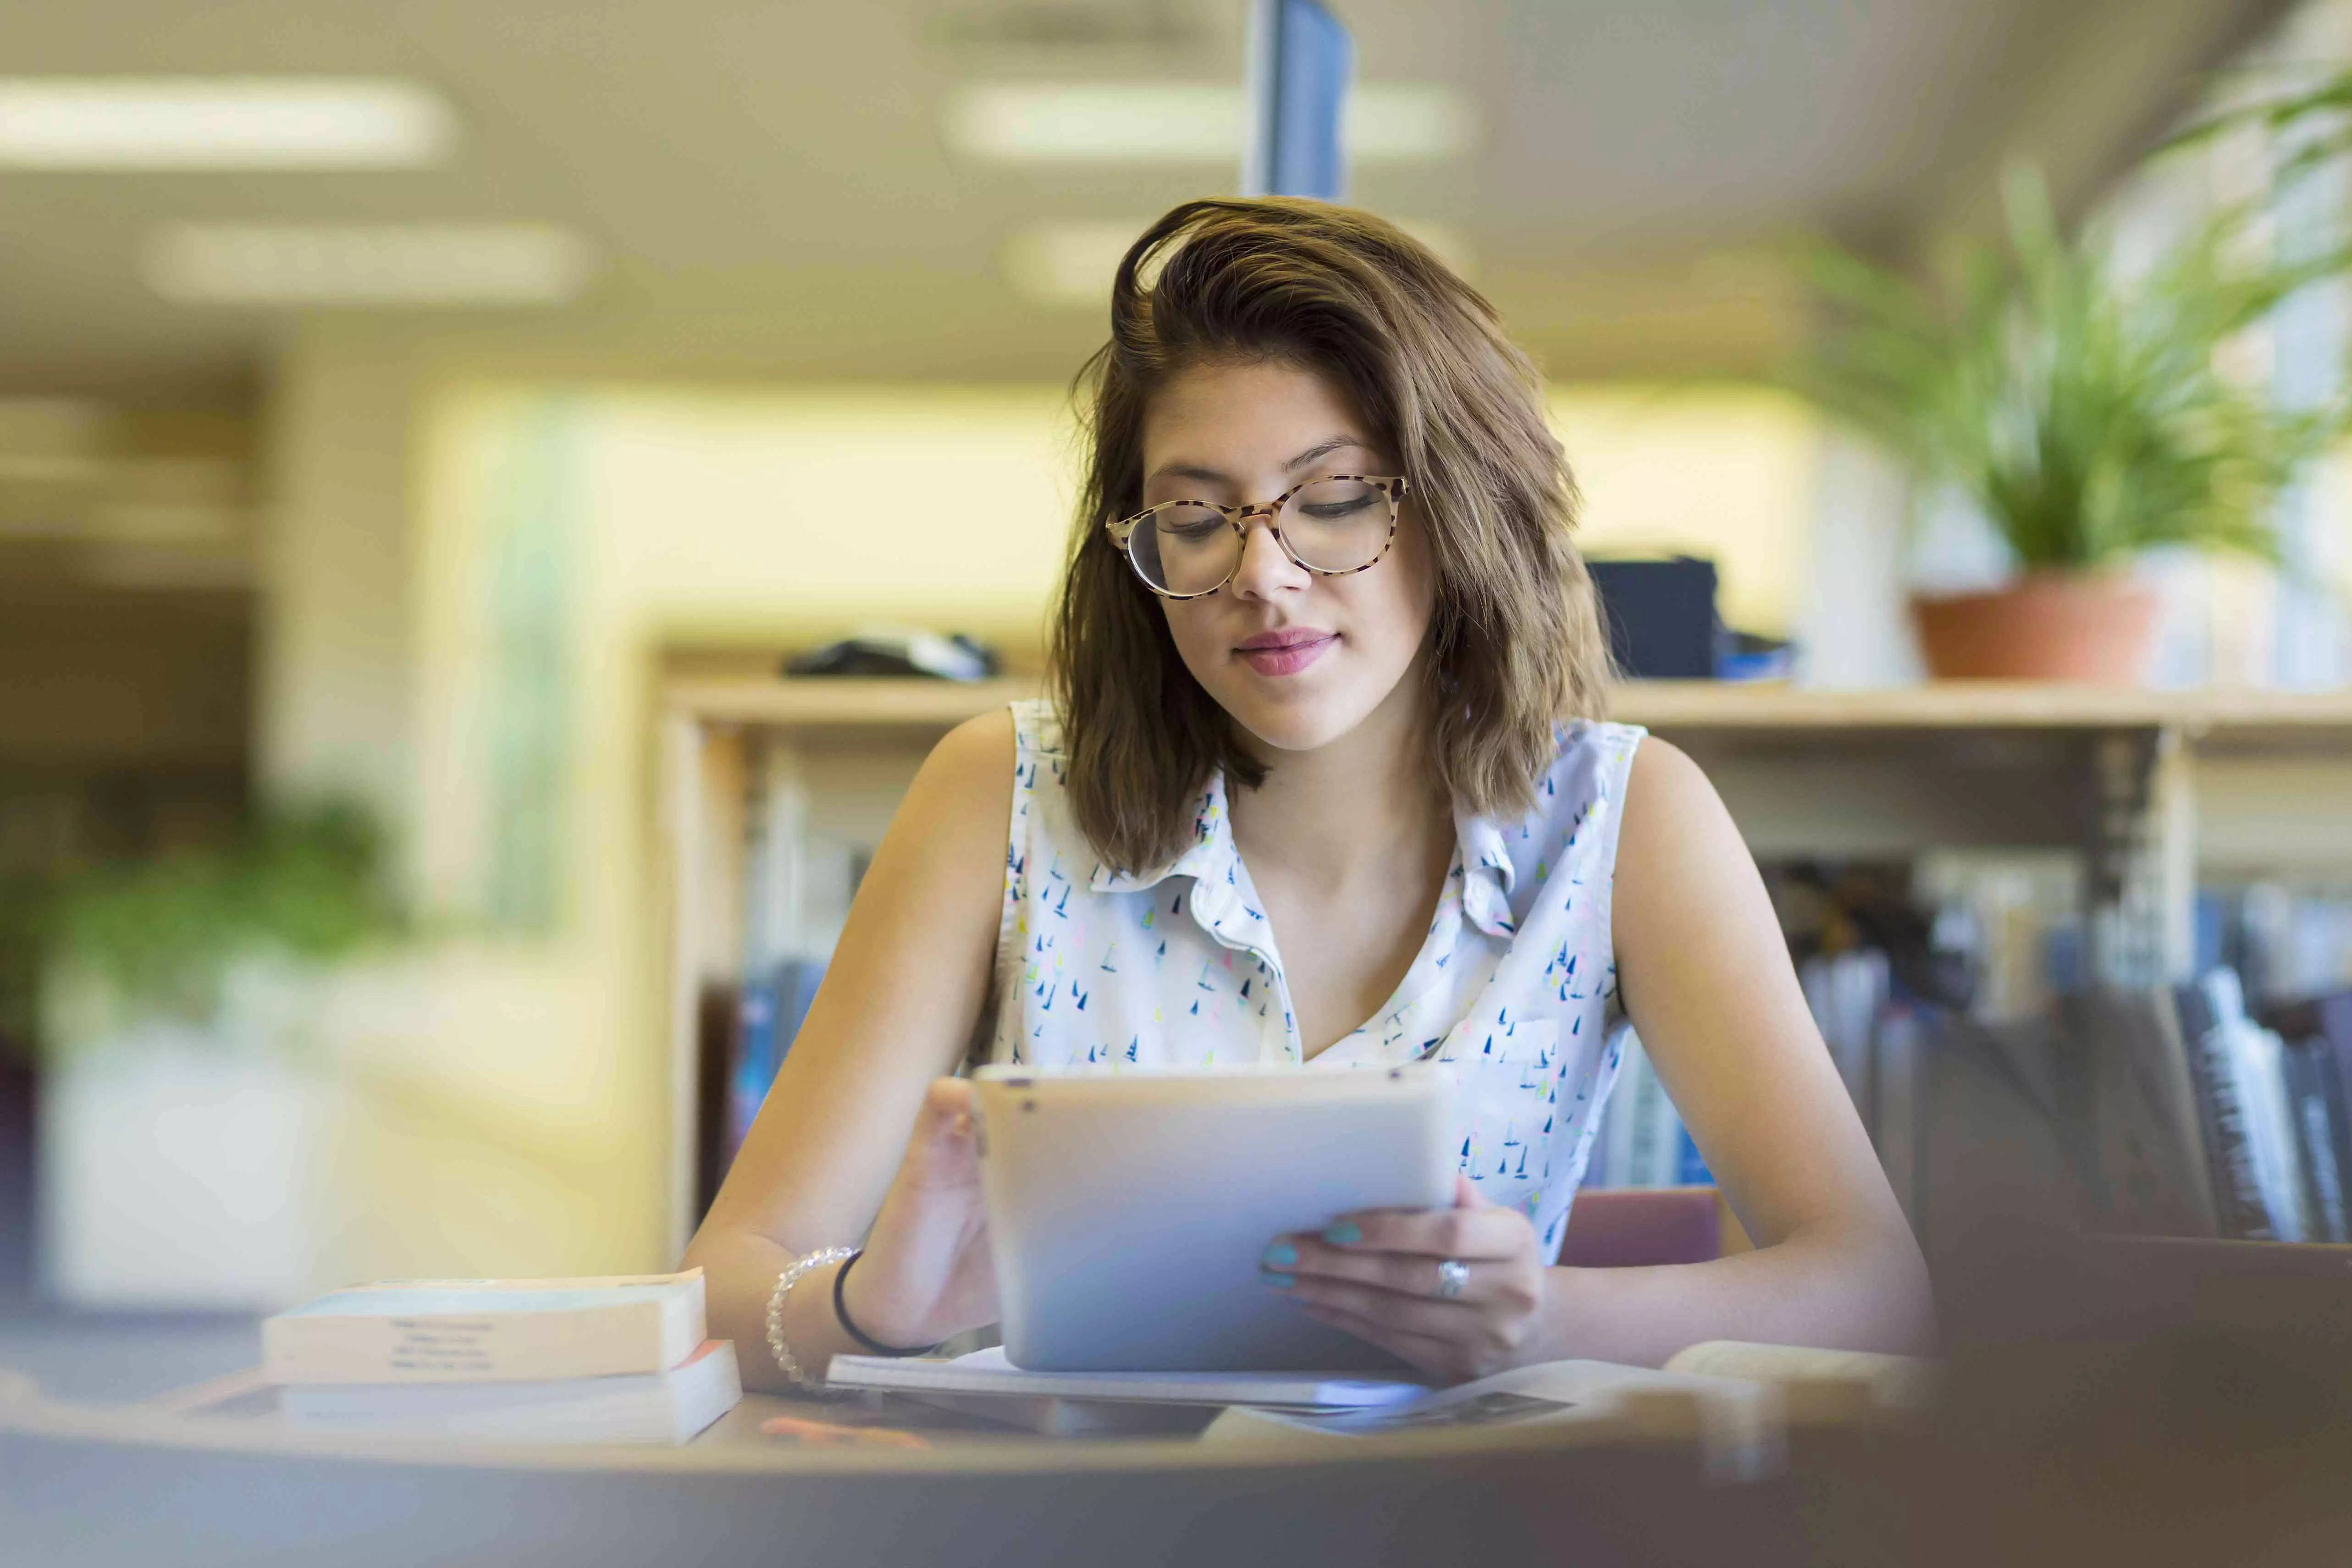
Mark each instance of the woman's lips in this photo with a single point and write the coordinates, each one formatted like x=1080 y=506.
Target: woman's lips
x=1288 y=658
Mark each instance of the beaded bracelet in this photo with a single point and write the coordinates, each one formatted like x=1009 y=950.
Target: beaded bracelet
x=784 y=1283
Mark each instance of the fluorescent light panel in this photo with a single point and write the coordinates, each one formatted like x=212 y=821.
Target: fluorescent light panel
x=1071 y=265
x=392 y=265
x=221 y=122
x=1187 y=122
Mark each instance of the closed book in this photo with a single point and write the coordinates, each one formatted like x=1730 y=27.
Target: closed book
x=2161 y=1054
x=2146 y=1141
x=2205 y=1006
x=2256 y=1055
x=1639 y=1129
x=2318 y=1032
x=669 y=1406
x=2316 y=1103
x=488 y=1330
x=1894 y=1087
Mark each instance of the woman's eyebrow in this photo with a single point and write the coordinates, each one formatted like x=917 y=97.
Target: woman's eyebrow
x=1337 y=443
x=1187 y=471
x=1219 y=477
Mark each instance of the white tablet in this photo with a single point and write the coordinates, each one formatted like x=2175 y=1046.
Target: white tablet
x=1127 y=1212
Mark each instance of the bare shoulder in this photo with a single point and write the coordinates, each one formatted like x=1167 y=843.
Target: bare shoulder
x=1665 y=793
x=974 y=758
x=1676 y=842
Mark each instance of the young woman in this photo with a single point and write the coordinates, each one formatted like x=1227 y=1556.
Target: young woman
x=1321 y=782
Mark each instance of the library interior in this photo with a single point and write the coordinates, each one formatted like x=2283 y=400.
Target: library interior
x=497 y=503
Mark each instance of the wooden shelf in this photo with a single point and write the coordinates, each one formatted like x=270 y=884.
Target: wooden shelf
x=842 y=701
x=1977 y=705
x=1666 y=705
x=772 y=786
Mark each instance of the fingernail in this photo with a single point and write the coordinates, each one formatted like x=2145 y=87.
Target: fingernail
x=1282 y=1255
x=1342 y=1233
x=1279 y=1281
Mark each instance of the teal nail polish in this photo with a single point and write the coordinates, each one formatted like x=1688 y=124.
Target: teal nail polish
x=1279 y=1281
x=1342 y=1233
x=1282 y=1255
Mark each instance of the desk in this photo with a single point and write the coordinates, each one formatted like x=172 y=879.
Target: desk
x=120 y=1487
x=2122 y=1406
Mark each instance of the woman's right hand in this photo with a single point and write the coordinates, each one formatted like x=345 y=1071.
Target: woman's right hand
x=926 y=1272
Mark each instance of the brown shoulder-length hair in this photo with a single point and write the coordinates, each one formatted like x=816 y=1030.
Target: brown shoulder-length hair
x=1516 y=642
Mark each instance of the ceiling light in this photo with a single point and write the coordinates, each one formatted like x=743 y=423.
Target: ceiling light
x=221 y=122
x=310 y=264
x=1071 y=265
x=1186 y=122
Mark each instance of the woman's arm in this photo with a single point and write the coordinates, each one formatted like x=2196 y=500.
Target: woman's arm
x=1706 y=978
x=897 y=1007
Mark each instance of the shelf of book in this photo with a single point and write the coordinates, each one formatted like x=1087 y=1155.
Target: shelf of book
x=774 y=790
x=1678 y=705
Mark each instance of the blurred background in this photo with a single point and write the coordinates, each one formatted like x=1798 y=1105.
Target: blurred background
x=425 y=427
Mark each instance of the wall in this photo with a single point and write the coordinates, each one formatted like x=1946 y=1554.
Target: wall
x=1728 y=471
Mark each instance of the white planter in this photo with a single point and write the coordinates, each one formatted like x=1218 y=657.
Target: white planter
x=186 y=1168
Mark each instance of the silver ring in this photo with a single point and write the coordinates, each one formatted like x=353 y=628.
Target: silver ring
x=1453 y=1278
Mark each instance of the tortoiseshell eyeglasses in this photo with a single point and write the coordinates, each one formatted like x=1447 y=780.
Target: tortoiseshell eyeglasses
x=1189 y=549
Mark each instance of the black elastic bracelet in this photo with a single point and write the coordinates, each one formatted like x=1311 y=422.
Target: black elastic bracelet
x=840 y=1316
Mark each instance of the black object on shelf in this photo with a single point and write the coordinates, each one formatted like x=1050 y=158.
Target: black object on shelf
x=1661 y=617
x=954 y=656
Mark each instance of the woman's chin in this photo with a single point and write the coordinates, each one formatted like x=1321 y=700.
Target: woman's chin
x=1296 y=722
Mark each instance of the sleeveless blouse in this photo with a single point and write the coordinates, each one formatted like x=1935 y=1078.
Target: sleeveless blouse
x=1514 y=991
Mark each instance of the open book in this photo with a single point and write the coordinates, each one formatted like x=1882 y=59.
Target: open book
x=1730 y=1385
x=1725 y=1378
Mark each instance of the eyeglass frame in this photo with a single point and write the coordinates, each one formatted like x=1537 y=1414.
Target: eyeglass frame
x=1394 y=487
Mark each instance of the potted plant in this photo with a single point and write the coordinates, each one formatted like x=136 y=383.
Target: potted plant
x=2083 y=409
x=186 y=1123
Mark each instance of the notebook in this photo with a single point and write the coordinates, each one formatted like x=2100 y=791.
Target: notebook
x=644 y=1407
x=488 y=1330
x=989 y=1373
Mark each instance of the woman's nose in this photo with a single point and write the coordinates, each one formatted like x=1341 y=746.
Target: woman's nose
x=1265 y=569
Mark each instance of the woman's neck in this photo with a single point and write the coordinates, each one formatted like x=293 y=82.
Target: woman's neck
x=1356 y=808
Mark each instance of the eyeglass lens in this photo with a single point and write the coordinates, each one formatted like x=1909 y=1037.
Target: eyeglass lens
x=1331 y=525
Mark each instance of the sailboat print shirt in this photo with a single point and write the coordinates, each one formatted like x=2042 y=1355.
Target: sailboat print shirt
x=1514 y=990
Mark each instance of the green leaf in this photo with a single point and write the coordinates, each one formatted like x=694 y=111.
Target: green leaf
x=2083 y=409
x=305 y=884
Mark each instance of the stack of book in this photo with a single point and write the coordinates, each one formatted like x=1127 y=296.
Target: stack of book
x=545 y=1361
x=2271 y=1097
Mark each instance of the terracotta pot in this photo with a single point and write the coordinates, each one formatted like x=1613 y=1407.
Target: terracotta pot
x=2092 y=627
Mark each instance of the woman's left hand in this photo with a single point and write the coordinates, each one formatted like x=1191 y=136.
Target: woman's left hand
x=1377 y=1275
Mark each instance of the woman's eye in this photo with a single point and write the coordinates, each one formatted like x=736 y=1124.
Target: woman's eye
x=1325 y=512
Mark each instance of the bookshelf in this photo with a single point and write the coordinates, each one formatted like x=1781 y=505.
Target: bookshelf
x=1663 y=705
x=771 y=790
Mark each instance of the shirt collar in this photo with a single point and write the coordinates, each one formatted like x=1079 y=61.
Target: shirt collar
x=1488 y=874
x=1208 y=858
x=1212 y=859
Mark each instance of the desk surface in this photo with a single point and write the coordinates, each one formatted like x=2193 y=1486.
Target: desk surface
x=735 y=1445
x=109 y=1487
x=99 y=1485
x=148 y=1381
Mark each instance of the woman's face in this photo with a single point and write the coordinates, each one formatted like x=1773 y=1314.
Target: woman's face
x=1297 y=658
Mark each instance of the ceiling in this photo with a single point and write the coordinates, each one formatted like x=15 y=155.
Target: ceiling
x=767 y=185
